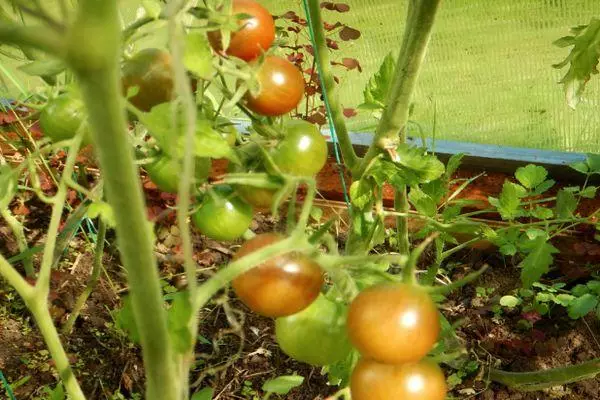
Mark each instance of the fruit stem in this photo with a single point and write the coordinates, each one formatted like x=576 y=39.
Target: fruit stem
x=17 y=229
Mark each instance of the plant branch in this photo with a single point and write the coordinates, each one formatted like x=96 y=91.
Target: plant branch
x=39 y=38
x=19 y=233
x=330 y=88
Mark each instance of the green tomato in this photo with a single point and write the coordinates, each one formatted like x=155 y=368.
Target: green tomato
x=316 y=335
x=62 y=117
x=303 y=151
x=223 y=215
x=166 y=172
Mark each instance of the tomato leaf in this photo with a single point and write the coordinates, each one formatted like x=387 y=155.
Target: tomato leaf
x=418 y=166
x=582 y=60
x=178 y=317
x=589 y=192
x=509 y=202
x=282 y=384
x=198 y=57
x=104 y=211
x=375 y=93
x=210 y=143
x=566 y=204
x=537 y=262
x=152 y=8
x=125 y=320
x=8 y=185
x=582 y=306
x=593 y=163
x=204 y=394
x=361 y=193
x=422 y=202
x=531 y=176
x=453 y=165
x=43 y=67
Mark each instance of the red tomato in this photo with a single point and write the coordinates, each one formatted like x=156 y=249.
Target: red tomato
x=255 y=36
x=281 y=88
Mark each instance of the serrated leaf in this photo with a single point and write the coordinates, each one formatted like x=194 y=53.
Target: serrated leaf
x=508 y=249
x=376 y=90
x=580 y=290
x=594 y=286
x=509 y=202
x=563 y=299
x=419 y=166
x=198 y=56
x=436 y=189
x=589 y=192
x=582 y=61
x=537 y=262
x=510 y=301
x=582 y=306
x=580 y=167
x=593 y=162
x=422 y=202
x=566 y=204
x=543 y=187
x=204 y=394
x=361 y=193
x=178 y=317
x=210 y=143
x=541 y=213
x=103 y=210
x=564 y=41
x=453 y=164
x=531 y=175
x=282 y=384
x=43 y=67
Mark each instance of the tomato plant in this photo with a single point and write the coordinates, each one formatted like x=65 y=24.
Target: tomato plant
x=393 y=323
x=165 y=172
x=303 y=151
x=223 y=215
x=281 y=87
x=261 y=198
x=316 y=335
x=413 y=381
x=282 y=285
x=151 y=72
x=255 y=35
x=227 y=130
x=62 y=116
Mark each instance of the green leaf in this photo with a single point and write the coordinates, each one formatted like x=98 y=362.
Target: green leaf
x=361 y=193
x=204 y=394
x=543 y=187
x=375 y=93
x=152 y=8
x=531 y=175
x=198 y=56
x=580 y=167
x=582 y=306
x=580 y=290
x=510 y=301
x=564 y=41
x=594 y=286
x=422 y=202
x=453 y=164
x=508 y=249
x=339 y=373
x=8 y=186
x=582 y=60
x=542 y=213
x=537 y=262
x=589 y=192
x=436 y=189
x=104 y=211
x=210 y=143
x=593 y=162
x=282 y=384
x=43 y=67
x=509 y=203
x=563 y=299
x=418 y=166
x=178 y=318
x=316 y=213
x=566 y=204
x=125 y=320
x=544 y=297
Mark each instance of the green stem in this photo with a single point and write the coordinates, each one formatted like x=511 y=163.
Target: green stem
x=30 y=37
x=321 y=52
x=97 y=66
x=539 y=380
x=92 y=281
x=391 y=129
x=19 y=233
x=401 y=206
x=409 y=271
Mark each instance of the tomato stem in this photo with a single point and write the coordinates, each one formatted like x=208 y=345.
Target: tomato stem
x=17 y=228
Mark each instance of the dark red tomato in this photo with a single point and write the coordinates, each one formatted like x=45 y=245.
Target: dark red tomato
x=393 y=323
x=303 y=151
x=255 y=36
x=151 y=72
x=62 y=117
x=371 y=380
x=165 y=172
x=281 y=87
x=280 y=286
x=316 y=335
x=223 y=215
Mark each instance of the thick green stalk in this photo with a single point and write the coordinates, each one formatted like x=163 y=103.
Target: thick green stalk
x=93 y=279
x=539 y=380
x=94 y=53
x=321 y=52
x=19 y=233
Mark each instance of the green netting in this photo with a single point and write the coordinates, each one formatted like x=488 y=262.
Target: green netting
x=488 y=70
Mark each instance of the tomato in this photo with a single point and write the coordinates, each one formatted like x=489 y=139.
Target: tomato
x=316 y=335
x=303 y=151
x=281 y=87
x=371 y=380
x=166 y=172
x=393 y=323
x=280 y=286
x=255 y=36
x=223 y=215
x=151 y=72
x=62 y=117
x=228 y=131
x=260 y=198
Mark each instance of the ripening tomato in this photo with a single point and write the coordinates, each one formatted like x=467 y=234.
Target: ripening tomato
x=255 y=36
x=316 y=335
x=423 y=380
x=149 y=70
x=393 y=323
x=62 y=117
x=282 y=285
x=165 y=172
x=303 y=151
x=281 y=87
x=223 y=215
